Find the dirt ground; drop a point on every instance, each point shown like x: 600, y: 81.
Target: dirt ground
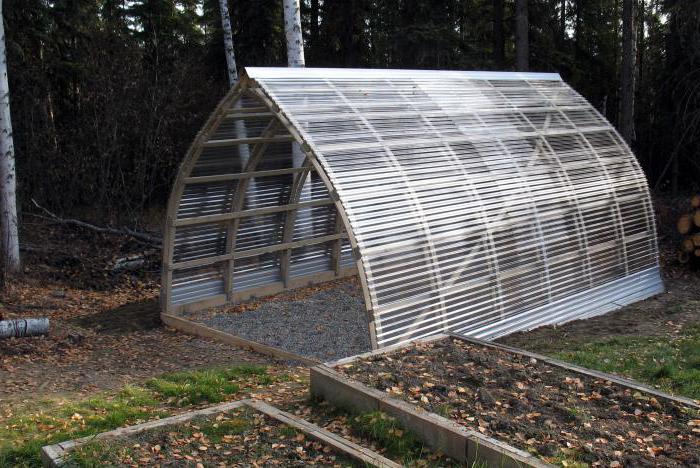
x: 546, y: 410
x: 667, y: 314
x: 105, y: 326
x: 105, y: 329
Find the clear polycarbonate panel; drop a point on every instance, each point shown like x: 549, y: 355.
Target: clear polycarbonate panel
x: 238, y: 170
x: 481, y: 202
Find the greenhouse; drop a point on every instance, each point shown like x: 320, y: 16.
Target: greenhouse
x: 476, y: 202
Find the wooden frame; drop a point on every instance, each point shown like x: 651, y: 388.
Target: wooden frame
x: 55, y: 455
x: 278, y: 130
x: 427, y: 171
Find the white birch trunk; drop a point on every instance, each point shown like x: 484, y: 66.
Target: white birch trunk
x: 292, y: 31
x: 295, y: 58
x: 8, y: 201
x: 243, y: 150
x: 228, y: 43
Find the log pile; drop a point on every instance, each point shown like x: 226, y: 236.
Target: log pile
x: 689, y: 227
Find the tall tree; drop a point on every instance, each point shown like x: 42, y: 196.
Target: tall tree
x: 8, y: 201
x: 295, y: 58
x: 628, y: 69
x: 522, y: 45
x: 292, y: 32
x: 499, y: 43
x: 228, y: 43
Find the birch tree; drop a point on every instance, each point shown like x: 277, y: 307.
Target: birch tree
x: 295, y: 58
x: 8, y: 201
x: 228, y: 44
x: 232, y: 70
x: 627, y: 71
x: 292, y: 32
x: 522, y: 45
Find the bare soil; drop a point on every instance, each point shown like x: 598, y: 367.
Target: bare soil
x: 240, y: 437
x: 666, y: 314
x: 553, y: 413
x: 105, y: 329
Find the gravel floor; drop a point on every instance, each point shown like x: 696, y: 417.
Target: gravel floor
x: 327, y: 324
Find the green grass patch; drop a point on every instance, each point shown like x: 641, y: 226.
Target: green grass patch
x: 673, y: 364
x: 399, y: 443
x: 210, y: 385
x: 46, y: 422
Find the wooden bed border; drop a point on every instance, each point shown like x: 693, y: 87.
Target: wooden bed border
x: 54, y: 455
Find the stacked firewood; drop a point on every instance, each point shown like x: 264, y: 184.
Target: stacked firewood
x: 689, y: 227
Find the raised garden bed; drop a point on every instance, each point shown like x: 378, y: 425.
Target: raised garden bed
x: 552, y: 411
x: 243, y: 433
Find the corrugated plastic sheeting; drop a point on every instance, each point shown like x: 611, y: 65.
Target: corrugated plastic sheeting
x: 252, y: 269
x: 482, y: 203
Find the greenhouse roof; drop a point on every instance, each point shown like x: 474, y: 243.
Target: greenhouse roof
x: 475, y: 202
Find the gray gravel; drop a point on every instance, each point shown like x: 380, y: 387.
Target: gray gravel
x: 328, y: 324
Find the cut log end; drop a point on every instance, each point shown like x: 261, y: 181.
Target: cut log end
x: 683, y: 257
x: 695, y: 201
x: 696, y: 218
x: 688, y: 245
x: 685, y: 224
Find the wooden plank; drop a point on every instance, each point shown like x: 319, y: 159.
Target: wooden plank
x: 193, y: 154
x: 241, y: 175
x: 341, y: 445
x: 248, y: 213
x: 439, y: 433
x: 237, y: 205
x: 299, y: 282
x: 290, y: 217
x: 251, y: 109
x: 198, y: 329
x: 247, y: 141
x: 54, y: 455
x: 254, y: 252
x: 248, y: 115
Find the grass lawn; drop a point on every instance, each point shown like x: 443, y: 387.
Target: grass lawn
x: 25, y: 428
x: 672, y: 364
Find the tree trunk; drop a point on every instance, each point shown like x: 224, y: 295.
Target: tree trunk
x: 24, y: 327
x: 627, y: 72
x: 292, y: 31
x: 295, y: 58
x: 8, y: 202
x: 239, y: 125
x: 499, y: 45
x: 562, y: 21
x: 314, y: 22
x: 522, y: 46
x: 228, y: 44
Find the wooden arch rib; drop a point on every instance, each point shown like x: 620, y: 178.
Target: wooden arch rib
x: 278, y: 129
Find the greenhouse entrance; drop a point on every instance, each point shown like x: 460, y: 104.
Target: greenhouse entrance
x: 476, y: 202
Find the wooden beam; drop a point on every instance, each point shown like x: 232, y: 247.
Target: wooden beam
x: 199, y: 262
x: 249, y: 115
x: 193, y: 154
x: 290, y: 218
x: 248, y: 141
x: 249, y: 213
x: 237, y: 205
x: 252, y: 109
x: 241, y: 175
